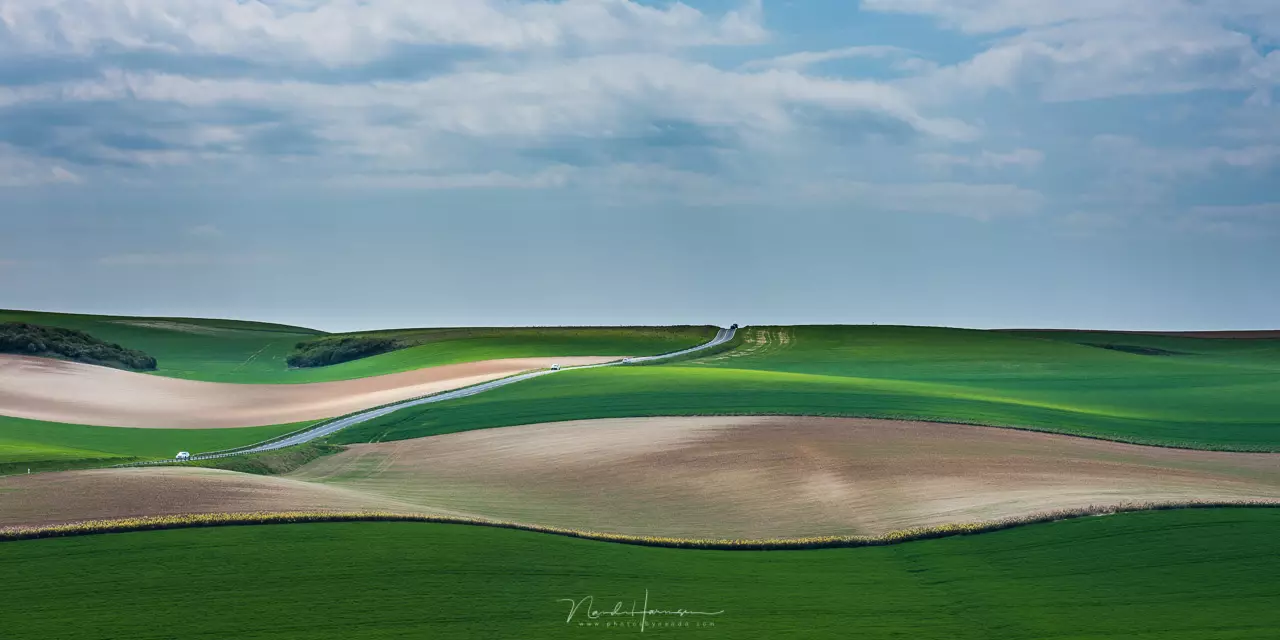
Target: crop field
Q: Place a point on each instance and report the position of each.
(255, 352)
(728, 477)
(1171, 575)
(780, 434)
(454, 346)
(41, 446)
(1177, 391)
(200, 349)
(606, 450)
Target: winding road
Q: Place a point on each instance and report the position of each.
(333, 426)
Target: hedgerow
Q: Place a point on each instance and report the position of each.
(327, 351)
(54, 342)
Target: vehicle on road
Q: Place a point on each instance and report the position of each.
(555, 367)
(183, 455)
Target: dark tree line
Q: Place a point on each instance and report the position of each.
(69, 344)
(327, 351)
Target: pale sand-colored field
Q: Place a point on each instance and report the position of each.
(779, 476)
(115, 493)
(702, 477)
(58, 391)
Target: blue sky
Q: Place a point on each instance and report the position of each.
(342, 164)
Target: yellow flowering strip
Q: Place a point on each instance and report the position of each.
(149, 523)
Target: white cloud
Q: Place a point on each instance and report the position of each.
(205, 231)
(805, 59)
(1141, 178)
(594, 95)
(1129, 156)
(415, 122)
(986, 160)
(1259, 98)
(1091, 49)
(546, 179)
(534, 79)
(346, 32)
(59, 175)
(992, 16)
(1253, 123)
(615, 184)
(21, 170)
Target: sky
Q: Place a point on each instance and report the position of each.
(347, 164)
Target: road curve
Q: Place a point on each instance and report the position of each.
(327, 428)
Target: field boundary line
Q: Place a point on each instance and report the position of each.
(191, 521)
(907, 418)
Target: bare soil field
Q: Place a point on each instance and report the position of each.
(49, 498)
(71, 392)
(779, 476)
(696, 477)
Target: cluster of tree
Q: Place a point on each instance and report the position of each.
(69, 344)
(1136, 350)
(327, 351)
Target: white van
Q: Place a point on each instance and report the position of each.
(183, 455)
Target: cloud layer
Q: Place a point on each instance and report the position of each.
(710, 106)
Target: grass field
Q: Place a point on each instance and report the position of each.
(221, 350)
(1216, 394)
(1174, 574)
(741, 478)
(453, 346)
(251, 352)
(255, 352)
(50, 446)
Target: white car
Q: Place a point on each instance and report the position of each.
(555, 367)
(626, 361)
(183, 455)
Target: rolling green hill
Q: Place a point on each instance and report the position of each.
(1208, 573)
(252, 352)
(19, 338)
(453, 346)
(255, 352)
(199, 349)
(48, 446)
(1219, 394)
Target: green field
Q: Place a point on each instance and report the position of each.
(49, 446)
(222, 350)
(453, 346)
(1219, 394)
(1208, 573)
(255, 352)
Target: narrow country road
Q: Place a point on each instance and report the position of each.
(333, 426)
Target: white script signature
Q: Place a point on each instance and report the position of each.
(586, 605)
